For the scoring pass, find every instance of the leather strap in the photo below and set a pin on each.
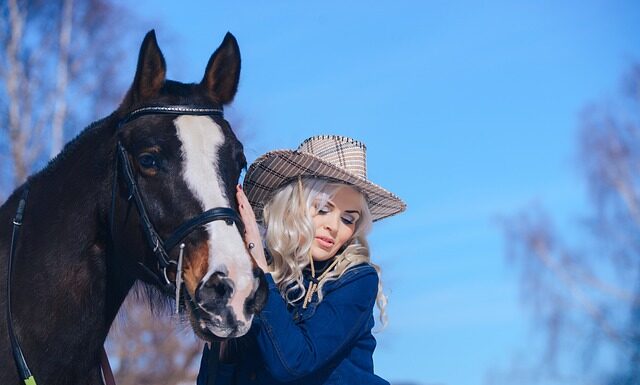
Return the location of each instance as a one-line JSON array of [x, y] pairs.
[[230, 216], [107, 373], [149, 231], [170, 110], [18, 356]]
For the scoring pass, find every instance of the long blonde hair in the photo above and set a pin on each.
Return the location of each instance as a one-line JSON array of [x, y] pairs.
[[290, 233]]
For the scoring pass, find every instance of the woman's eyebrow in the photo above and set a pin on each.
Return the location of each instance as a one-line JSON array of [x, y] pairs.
[[352, 211]]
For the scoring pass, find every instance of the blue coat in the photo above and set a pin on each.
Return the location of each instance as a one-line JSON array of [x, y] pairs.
[[326, 343]]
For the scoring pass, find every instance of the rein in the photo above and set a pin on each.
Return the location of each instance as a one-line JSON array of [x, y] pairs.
[[16, 349], [161, 247]]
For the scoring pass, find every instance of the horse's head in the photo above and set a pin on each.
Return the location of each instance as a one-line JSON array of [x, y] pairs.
[[186, 164]]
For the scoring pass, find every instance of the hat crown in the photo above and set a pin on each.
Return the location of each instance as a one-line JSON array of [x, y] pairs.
[[346, 153]]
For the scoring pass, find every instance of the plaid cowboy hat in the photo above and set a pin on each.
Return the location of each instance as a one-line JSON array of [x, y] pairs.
[[331, 157]]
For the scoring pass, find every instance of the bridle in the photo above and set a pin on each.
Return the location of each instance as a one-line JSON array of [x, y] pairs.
[[160, 247]]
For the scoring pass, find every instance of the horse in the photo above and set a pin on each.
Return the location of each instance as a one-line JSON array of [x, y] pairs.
[[146, 194]]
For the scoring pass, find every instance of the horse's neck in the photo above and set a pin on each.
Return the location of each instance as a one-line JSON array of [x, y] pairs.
[[61, 275], [67, 199]]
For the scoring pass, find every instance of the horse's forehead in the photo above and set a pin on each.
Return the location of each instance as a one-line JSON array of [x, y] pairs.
[[199, 133], [201, 138]]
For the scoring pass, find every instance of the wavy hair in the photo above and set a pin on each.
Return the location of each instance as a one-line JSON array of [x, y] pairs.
[[290, 232]]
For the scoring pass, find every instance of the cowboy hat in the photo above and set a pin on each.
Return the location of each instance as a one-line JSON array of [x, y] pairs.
[[335, 158]]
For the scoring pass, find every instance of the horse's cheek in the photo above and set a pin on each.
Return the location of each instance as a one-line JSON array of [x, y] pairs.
[[196, 267]]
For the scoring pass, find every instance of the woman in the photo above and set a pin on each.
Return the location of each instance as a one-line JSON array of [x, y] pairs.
[[316, 206]]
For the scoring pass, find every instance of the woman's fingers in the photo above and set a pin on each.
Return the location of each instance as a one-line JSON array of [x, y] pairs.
[[243, 203], [252, 234], [246, 212], [248, 217]]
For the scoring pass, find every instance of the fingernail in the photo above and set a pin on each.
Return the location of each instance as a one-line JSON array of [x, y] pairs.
[[240, 186]]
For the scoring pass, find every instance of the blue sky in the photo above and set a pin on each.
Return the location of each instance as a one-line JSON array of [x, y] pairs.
[[469, 111]]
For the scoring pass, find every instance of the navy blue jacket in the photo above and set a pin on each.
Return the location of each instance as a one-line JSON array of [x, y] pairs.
[[327, 343]]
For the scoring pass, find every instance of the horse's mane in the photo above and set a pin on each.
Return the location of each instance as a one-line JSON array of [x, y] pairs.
[[72, 146]]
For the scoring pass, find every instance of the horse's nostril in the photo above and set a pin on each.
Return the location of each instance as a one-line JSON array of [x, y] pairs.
[[215, 290], [222, 288], [215, 279]]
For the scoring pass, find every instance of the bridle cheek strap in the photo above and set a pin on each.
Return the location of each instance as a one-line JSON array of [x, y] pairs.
[[149, 231]]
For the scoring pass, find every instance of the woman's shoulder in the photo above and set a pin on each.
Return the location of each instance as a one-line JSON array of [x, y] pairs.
[[363, 273], [363, 268]]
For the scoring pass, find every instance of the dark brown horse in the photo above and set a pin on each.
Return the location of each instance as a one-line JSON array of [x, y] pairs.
[[114, 207]]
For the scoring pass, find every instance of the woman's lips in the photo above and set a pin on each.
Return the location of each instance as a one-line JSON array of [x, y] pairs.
[[324, 242]]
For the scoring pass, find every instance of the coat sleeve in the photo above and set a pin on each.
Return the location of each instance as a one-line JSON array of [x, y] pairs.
[[293, 350]]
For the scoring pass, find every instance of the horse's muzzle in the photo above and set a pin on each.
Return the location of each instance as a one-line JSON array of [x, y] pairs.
[[218, 306]]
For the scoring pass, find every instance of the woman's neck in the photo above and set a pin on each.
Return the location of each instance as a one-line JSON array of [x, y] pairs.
[[320, 266]]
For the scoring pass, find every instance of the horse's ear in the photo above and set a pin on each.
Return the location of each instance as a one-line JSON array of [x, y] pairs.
[[150, 73], [223, 71]]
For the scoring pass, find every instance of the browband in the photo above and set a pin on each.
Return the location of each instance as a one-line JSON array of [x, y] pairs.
[[170, 110]]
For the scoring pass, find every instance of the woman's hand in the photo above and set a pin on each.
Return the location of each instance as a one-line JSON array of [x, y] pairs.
[[252, 233]]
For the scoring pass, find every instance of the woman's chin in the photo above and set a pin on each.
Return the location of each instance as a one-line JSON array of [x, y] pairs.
[[321, 254]]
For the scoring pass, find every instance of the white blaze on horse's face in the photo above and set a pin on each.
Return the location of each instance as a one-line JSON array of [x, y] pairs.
[[229, 264]]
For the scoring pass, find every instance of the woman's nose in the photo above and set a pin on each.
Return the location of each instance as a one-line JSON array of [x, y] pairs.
[[332, 222]]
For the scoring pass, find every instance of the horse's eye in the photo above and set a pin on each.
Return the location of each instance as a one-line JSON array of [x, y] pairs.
[[147, 160]]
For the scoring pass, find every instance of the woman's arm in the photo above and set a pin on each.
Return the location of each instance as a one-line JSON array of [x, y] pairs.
[[293, 350]]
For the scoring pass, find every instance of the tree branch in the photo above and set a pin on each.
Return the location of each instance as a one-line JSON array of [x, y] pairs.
[[60, 110]]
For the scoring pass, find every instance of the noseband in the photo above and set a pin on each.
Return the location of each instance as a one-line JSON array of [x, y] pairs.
[[162, 247]]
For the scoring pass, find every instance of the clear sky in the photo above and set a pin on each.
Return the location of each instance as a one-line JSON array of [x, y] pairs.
[[469, 111]]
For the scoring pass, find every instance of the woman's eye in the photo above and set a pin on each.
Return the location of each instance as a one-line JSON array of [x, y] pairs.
[[323, 210], [147, 160], [348, 220]]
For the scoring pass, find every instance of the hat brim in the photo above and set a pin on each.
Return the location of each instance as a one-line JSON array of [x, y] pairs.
[[277, 168]]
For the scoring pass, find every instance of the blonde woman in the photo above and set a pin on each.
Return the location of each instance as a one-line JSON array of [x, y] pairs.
[[316, 206]]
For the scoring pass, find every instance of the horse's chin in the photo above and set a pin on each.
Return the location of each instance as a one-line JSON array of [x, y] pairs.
[[209, 331], [208, 328]]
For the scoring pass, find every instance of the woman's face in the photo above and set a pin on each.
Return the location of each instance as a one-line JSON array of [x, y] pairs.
[[335, 222]]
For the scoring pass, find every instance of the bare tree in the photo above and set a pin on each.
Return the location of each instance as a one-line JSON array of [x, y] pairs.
[[57, 67], [586, 299], [152, 349]]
